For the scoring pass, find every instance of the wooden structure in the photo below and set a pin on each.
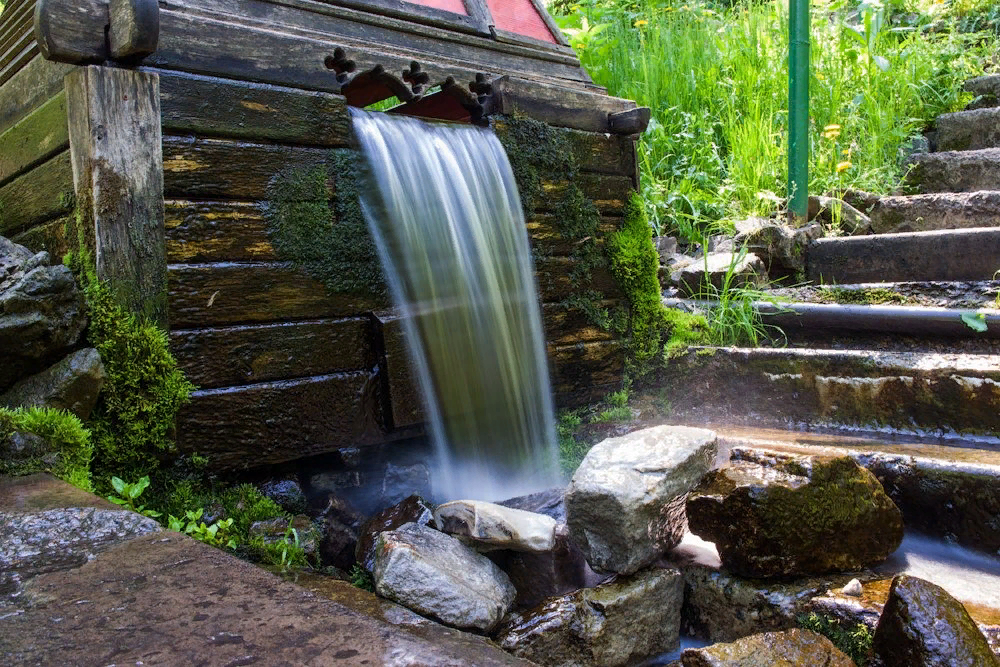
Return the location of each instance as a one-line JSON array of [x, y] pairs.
[[161, 128]]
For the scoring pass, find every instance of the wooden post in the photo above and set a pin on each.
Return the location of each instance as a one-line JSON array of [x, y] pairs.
[[116, 147]]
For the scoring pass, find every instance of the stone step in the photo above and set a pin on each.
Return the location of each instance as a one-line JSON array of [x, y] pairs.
[[969, 130], [922, 393], [987, 87], [955, 171], [948, 492], [952, 254], [957, 294], [944, 210]]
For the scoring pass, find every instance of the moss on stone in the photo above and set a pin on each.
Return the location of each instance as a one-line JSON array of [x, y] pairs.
[[315, 221], [62, 430], [867, 296]]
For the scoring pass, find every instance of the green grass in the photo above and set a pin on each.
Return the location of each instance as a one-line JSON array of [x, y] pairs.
[[716, 80]]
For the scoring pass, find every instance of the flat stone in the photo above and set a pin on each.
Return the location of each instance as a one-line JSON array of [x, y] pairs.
[[434, 574], [839, 215], [625, 503], [940, 210], [791, 648], [411, 510], [487, 526], [923, 626], [806, 515], [550, 502], [968, 130], [72, 384], [955, 171], [714, 268], [618, 623]]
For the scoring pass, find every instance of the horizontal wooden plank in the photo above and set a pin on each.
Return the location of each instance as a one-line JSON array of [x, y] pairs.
[[274, 422], [546, 236], [585, 372], [17, 23], [53, 237], [17, 58], [565, 327], [36, 82], [559, 105], [233, 356], [210, 106], [216, 231], [205, 295], [405, 404], [35, 139], [198, 168], [609, 193], [38, 195], [554, 284]]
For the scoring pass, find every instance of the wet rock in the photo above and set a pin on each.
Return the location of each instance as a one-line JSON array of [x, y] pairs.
[[486, 526], [338, 543], [280, 528], [666, 247], [402, 481], [617, 623], [537, 576], [72, 384], [808, 515], [434, 574], [625, 503], [287, 493], [781, 247], [42, 313], [412, 510], [550, 502], [794, 648], [746, 269], [923, 626]]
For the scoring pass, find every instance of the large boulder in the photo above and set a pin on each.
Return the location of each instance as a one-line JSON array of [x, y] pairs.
[[807, 515], [487, 526], [436, 575], [72, 384], [537, 576], [625, 503], [42, 313], [791, 648], [411, 510], [923, 626], [618, 623]]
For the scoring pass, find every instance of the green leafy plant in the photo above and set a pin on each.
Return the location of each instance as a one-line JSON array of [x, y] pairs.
[[285, 554], [571, 450], [128, 495], [975, 321], [218, 534], [616, 408], [361, 578], [853, 640]]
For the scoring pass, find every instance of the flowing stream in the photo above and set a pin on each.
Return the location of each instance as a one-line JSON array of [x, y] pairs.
[[444, 210]]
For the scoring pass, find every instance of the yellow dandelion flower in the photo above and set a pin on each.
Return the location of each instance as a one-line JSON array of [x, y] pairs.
[[846, 152], [843, 166], [831, 128], [640, 23], [579, 47]]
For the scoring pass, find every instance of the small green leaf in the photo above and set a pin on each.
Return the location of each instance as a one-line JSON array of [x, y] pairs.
[[975, 321], [117, 501], [118, 484]]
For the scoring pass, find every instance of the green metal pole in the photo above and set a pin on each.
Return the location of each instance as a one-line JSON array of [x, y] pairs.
[[798, 110]]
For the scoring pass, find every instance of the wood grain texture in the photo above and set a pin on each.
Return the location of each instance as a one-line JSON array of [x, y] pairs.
[[241, 355], [555, 104], [274, 422], [53, 237], [405, 405], [115, 142], [38, 81], [205, 295], [72, 31], [547, 238], [17, 58], [566, 327], [41, 194], [585, 372], [134, 28], [216, 231], [215, 107], [35, 139]]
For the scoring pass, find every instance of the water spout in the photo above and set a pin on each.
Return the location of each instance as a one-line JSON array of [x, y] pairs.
[[444, 210]]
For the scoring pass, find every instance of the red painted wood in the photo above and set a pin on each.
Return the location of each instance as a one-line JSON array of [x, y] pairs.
[[456, 6], [520, 16]]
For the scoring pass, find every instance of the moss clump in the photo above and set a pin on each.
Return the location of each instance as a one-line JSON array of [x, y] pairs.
[[853, 640], [315, 221], [245, 505], [59, 428], [867, 296]]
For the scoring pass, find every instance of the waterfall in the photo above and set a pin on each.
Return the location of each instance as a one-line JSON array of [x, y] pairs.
[[443, 208]]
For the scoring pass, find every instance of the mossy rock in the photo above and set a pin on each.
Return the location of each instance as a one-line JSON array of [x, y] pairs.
[[807, 515]]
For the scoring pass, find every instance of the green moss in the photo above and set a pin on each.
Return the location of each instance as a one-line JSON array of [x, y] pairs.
[[315, 221], [855, 640], [865, 296], [62, 430], [245, 505]]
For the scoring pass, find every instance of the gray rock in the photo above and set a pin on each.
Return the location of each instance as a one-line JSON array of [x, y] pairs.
[[923, 626], [794, 648], [72, 384], [666, 247], [839, 215], [714, 268], [537, 576], [781, 247], [338, 543], [487, 526], [618, 623], [968, 130], [434, 574], [550, 502], [625, 503], [950, 210], [42, 313], [412, 510], [402, 481], [955, 171], [287, 493]]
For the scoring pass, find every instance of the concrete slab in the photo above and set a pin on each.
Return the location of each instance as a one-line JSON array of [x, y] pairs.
[[168, 599]]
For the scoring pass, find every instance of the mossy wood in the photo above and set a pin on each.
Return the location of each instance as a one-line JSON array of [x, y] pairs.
[[34, 139], [37, 195], [38, 81]]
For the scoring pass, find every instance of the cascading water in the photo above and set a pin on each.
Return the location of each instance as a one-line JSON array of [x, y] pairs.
[[444, 210]]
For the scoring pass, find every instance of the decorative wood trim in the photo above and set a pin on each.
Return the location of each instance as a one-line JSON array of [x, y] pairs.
[[550, 22], [116, 147]]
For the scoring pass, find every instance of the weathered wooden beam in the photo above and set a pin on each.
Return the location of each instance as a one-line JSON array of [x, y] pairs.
[[558, 105], [204, 295], [216, 231], [585, 372], [568, 327], [554, 282], [115, 142], [405, 404], [134, 28], [242, 355], [609, 193], [72, 31], [39, 80], [547, 238], [630, 121], [212, 107], [17, 58], [35, 139], [52, 237], [41, 194]]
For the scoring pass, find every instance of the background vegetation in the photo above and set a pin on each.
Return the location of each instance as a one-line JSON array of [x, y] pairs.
[[715, 76]]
